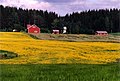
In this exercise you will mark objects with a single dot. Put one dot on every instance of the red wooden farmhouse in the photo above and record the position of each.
(33, 29)
(101, 33)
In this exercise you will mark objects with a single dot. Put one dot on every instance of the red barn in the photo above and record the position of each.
(33, 29)
(101, 33)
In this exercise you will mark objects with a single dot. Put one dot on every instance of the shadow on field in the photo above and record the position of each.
(7, 54)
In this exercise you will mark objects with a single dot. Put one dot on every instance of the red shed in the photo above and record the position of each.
(33, 29)
(101, 33)
(55, 32)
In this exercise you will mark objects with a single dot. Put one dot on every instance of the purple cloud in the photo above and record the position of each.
(30, 4)
(58, 1)
(63, 7)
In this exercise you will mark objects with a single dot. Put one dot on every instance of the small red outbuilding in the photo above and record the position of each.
(55, 32)
(33, 29)
(101, 33)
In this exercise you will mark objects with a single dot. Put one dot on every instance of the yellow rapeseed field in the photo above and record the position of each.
(33, 51)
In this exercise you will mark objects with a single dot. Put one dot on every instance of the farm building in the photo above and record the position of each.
(33, 29)
(56, 32)
(101, 33)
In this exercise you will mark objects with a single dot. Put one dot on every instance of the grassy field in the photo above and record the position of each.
(116, 34)
(112, 37)
(61, 72)
(51, 60)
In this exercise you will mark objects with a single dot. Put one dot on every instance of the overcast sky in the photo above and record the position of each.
(63, 7)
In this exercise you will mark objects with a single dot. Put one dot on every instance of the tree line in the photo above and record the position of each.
(86, 22)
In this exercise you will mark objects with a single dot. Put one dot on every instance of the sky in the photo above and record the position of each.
(62, 7)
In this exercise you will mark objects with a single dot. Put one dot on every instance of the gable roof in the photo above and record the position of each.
(29, 26)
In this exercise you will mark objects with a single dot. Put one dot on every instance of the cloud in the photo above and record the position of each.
(63, 7)
(59, 1)
(94, 4)
(70, 6)
(30, 4)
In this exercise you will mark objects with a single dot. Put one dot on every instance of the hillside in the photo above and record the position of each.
(77, 37)
(32, 51)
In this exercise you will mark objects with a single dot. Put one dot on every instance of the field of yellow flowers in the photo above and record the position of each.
(34, 51)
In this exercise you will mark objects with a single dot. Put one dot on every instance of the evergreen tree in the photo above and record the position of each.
(84, 22)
